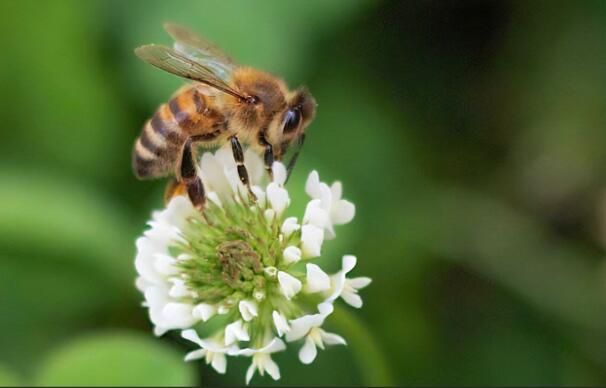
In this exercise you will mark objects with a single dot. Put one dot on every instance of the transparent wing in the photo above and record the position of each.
(201, 50)
(175, 62)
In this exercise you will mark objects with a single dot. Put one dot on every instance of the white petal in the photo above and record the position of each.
(164, 264)
(179, 315)
(312, 186)
(269, 215)
(280, 323)
(336, 190)
(248, 309)
(156, 299)
(179, 289)
(250, 372)
(278, 198)
(272, 368)
(360, 282)
(225, 156)
(342, 212)
(289, 285)
(279, 172)
(254, 166)
(144, 262)
(159, 331)
(308, 352)
(289, 226)
(271, 271)
(219, 363)
(213, 176)
(329, 232)
(215, 346)
(141, 284)
(291, 254)
(235, 332)
(177, 211)
(338, 284)
(191, 335)
(352, 299)
(195, 355)
(214, 197)
(204, 311)
(162, 233)
(325, 196)
(326, 309)
(332, 339)
(349, 262)
(315, 214)
(273, 346)
(301, 326)
(311, 241)
(317, 280)
(260, 194)
(223, 309)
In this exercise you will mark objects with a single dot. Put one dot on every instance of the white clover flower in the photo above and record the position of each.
(348, 288)
(308, 326)
(212, 350)
(337, 211)
(261, 359)
(242, 272)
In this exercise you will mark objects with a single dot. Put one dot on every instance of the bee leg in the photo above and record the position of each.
(189, 175)
(268, 158)
(236, 149)
(173, 188)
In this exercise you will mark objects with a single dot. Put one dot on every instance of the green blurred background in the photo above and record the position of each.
(471, 135)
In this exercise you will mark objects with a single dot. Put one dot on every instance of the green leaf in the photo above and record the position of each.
(66, 255)
(8, 378)
(63, 110)
(507, 246)
(115, 359)
(48, 216)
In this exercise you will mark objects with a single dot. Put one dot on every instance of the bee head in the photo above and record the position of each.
(278, 114)
(290, 123)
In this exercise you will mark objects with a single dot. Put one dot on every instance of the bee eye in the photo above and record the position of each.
(292, 120)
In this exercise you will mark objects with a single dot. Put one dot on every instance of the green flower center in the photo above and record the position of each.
(228, 251)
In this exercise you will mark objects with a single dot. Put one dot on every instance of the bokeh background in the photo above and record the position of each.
(470, 134)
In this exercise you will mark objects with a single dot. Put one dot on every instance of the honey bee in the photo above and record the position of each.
(225, 103)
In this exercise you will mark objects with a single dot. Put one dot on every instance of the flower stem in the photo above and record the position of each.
(370, 358)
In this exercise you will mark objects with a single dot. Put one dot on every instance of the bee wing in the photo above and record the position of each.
(175, 62)
(193, 42)
(201, 50)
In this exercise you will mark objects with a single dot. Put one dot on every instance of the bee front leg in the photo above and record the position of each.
(268, 158)
(189, 176)
(236, 149)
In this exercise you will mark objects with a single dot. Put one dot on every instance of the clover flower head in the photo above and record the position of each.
(245, 273)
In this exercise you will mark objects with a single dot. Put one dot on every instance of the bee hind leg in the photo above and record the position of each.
(173, 188)
(190, 179)
(236, 149)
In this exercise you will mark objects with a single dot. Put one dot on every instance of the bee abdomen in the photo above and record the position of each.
(188, 110)
(156, 148)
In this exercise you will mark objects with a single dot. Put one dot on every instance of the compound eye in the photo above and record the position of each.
(292, 120)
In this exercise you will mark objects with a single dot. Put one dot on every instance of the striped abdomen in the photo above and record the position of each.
(158, 149)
